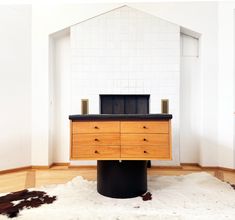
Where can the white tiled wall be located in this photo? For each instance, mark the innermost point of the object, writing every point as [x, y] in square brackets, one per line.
[126, 51]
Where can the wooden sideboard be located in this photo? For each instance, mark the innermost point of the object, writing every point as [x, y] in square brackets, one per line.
[121, 137]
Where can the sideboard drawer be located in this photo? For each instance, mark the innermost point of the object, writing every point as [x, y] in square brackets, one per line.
[145, 139]
[95, 152]
[96, 139]
[161, 127]
[95, 127]
[145, 152]
[120, 140]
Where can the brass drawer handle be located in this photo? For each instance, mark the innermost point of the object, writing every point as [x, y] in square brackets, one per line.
[145, 152]
[144, 127]
[144, 139]
[96, 127]
[96, 152]
[96, 139]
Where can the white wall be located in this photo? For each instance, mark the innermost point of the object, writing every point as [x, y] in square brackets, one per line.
[63, 16]
[202, 17]
[15, 86]
[212, 20]
[60, 17]
[226, 92]
[190, 100]
[60, 91]
[126, 51]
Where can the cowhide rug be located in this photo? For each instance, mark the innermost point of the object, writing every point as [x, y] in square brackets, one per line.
[197, 196]
[12, 203]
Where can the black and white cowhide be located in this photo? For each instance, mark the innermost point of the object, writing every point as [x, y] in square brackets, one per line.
[12, 203]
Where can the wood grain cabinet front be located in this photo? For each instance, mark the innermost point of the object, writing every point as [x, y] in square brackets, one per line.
[95, 152]
[97, 127]
[96, 139]
[145, 139]
[145, 152]
[121, 140]
[135, 127]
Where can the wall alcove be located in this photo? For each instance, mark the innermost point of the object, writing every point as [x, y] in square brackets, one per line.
[123, 51]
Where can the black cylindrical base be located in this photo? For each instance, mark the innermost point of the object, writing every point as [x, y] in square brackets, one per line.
[125, 179]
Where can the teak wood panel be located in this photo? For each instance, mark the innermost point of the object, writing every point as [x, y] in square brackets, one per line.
[145, 139]
[96, 139]
[161, 127]
[120, 145]
[95, 152]
[96, 127]
[170, 140]
[145, 152]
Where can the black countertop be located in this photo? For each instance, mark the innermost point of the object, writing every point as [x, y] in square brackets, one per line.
[120, 117]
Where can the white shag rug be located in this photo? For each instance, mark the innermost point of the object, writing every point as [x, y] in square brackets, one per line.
[193, 196]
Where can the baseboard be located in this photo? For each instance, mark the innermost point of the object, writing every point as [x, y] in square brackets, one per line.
[212, 168]
[82, 166]
[166, 167]
[15, 169]
[39, 167]
[189, 164]
[227, 169]
[217, 168]
[60, 164]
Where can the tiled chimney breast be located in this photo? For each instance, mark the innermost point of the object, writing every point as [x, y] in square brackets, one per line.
[126, 51]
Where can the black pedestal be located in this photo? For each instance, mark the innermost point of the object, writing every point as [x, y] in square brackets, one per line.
[125, 179]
